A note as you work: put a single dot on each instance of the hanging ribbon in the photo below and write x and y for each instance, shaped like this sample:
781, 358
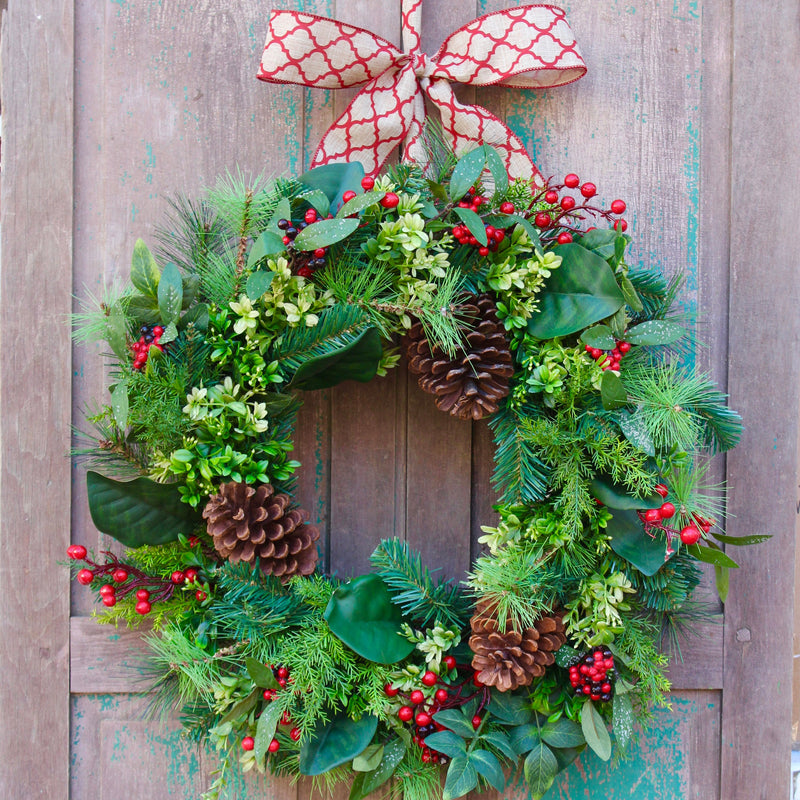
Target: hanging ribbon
525, 47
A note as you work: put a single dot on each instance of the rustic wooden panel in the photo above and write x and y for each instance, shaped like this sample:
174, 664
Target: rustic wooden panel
36, 287
763, 383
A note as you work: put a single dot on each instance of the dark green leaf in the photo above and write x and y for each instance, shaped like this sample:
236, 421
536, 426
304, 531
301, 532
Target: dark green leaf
599, 336
615, 496
191, 286
265, 729
241, 709
119, 404
357, 361
116, 333
359, 203
533, 234
595, 731
197, 316
262, 676
438, 190
612, 391
622, 719
566, 755
502, 742
634, 428
144, 310
462, 777
566, 655
722, 580
170, 294
325, 233
393, 753
524, 737
145, 273
630, 294
336, 742
755, 538
362, 615
258, 283
580, 292
510, 708
474, 223
318, 200
282, 211
334, 180
562, 733
140, 511
446, 742
655, 331
268, 244
455, 721
710, 555
489, 767
466, 172
498, 169
601, 241
170, 333
369, 759
629, 540
540, 770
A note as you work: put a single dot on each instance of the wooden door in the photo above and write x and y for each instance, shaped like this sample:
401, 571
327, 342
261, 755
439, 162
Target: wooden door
690, 112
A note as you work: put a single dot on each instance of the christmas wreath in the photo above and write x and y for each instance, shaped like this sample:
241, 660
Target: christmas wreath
512, 302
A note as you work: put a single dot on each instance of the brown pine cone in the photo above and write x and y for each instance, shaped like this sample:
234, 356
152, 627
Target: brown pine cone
252, 522
509, 659
471, 385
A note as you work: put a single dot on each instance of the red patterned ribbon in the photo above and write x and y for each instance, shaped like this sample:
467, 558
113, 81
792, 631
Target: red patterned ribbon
525, 47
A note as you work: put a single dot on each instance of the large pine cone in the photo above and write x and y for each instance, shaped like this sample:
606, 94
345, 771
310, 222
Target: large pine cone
471, 385
510, 659
252, 522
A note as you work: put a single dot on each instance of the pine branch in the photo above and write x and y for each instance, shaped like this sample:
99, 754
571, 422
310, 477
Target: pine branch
656, 292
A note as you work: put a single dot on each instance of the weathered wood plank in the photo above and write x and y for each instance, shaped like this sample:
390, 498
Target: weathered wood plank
762, 472
36, 287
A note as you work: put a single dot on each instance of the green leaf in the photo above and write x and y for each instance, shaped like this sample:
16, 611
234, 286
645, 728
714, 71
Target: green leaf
711, 555
170, 294
566, 755
119, 404
741, 541
629, 540
144, 309
334, 180
533, 234
562, 733
116, 333
191, 286
599, 336
512, 709
262, 676
196, 315
540, 769
615, 496
258, 284
630, 294
336, 742
635, 430
325, 233
455, 721
462, 777
446, 742
437, 190
582, 291
145, 273
474, 223
368, 782
502, 742
612, 391
595, 731
525, 737
140, 511
498, 169
466, 172
241, 709
357, 361
601, 241
170, 333
566, 656
655, 331
318, 200
722, 580
268, 244
622, 719
265, 729
362, 615
359, 203
369, 759
282, 211
489, 767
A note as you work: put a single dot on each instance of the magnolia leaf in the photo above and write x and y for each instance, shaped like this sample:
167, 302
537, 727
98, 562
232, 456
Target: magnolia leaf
333, 180
612, 391
191, 286
140, 511
318, 200
466, 172
722, 580
622, 719
446, 742
265, 730
262, 676
170, 294
630, 294
119, 404
601, 241
635, 430
489, 767
562, 732
362, 615
144, 309
462, 777
336, 742
325, 233
367, 782
116, 333
359, 203
755, 538
268, 244
369, 759
511, 709
599, 336
258, 284
170, 333
615, 496
197, 316
145, 274
540, 769
582, 291
455, 721
502, 742
474, 223
629, 540
654, 332
595, 731
711, 555
498, 169
357, 361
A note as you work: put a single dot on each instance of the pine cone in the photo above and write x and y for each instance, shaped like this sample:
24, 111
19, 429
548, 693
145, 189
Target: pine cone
252, 522
471, 385
511, 659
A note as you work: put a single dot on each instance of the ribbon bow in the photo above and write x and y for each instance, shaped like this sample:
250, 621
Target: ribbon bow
525, 47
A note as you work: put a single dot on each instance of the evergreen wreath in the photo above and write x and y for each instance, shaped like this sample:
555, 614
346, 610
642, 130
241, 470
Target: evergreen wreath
509, 305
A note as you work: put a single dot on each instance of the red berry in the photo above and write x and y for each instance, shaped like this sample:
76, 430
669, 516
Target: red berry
618, 207
652, 515
120, 575
311, 216
426, 756
85, 576
319, 252
390, 691
390, 200
690, 535
567, 203
200, 595
282, 682
476, 681
286, 718
430, 678
368, 183
142, 594
193, 541
77, 552
564, 238
158, 330
285, 239
621, 225
450, 662
587, 689
107, 588
588, 190
441, 695
490, 231
499, 235
283, 672
109, 600
269, 695
667, 510
595, 353
476, 721
274, 746
605, 688
248, 743
477, 202
542, 220
190, 575
661, 489
143, 607
348, 196
624, 347
507, 208
551, 196
417, 697
423, 718
294, 734
177, 577
483, 251
571, 180
406, 713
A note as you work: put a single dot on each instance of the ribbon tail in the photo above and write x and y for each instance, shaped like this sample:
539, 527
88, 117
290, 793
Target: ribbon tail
467, 126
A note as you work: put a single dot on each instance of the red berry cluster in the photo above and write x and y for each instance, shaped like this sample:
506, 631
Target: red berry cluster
283, 678
654, 518
591, 676
473, 201
149, 337
609, 359
304, 263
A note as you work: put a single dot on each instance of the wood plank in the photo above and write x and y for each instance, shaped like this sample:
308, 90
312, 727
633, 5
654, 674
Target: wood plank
36, 287
762, 471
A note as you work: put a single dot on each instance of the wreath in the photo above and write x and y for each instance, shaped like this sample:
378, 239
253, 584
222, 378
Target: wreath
512, 302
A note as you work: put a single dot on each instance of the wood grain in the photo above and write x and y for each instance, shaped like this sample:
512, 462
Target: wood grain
36, 288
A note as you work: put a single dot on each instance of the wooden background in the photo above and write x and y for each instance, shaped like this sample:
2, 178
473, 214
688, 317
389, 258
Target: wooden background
690, 112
